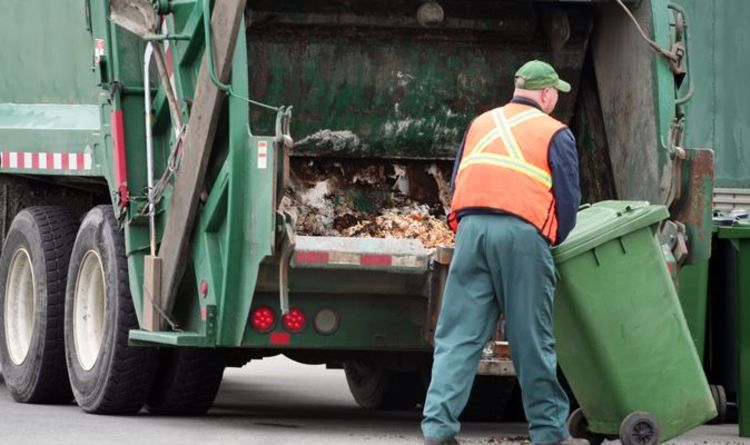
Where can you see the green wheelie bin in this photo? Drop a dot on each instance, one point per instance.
(622, 339)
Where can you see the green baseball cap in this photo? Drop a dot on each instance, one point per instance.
(536, 75)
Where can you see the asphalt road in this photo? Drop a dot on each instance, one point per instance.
(273, 401)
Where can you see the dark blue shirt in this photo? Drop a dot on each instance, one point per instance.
(563, 163)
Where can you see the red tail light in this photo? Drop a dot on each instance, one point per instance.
(294, 321)
(263, 319)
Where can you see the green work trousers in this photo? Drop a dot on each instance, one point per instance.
(500, 264)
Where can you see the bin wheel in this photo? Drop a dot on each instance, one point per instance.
(578, 427)
(640, 428)
(720, 399)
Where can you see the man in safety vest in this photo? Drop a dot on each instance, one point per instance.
(516, 195)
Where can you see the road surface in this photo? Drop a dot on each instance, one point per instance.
(273, 401)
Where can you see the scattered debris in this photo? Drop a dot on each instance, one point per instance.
(361, 199)
(328, 142)
(413, 222)
(517, 440)
(443, 184)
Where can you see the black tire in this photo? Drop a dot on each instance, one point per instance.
(46, 234)
(720, 399)
(187, 381)
(119, 379)
(490, 398)
(381, 389)
(578, 427)
(640, 428)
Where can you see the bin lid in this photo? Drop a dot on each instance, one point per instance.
(605, 221)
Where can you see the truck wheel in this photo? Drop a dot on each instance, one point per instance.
(33, 270)
(489, 399)
(107, 376)
(187, 381)
(640, 428)
(376, 388)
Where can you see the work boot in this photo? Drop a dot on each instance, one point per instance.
(435, 441)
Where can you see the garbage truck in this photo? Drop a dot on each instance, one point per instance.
(189, 185)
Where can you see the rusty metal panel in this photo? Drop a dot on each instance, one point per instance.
(367, 84)
(693, 204)
(626, 72)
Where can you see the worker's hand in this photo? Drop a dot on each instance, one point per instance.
(453, 221)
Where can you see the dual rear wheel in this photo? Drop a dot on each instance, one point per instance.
(65, 312)
(33, 273)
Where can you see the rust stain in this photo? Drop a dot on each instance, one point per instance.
(694, 208)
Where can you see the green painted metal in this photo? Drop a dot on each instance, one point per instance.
(385, 87)
(385, 328)
(377, 309)
(664, 88)
(694, 205)
(203, 339)
(622, 340)
(739, 236)
(48, 94)
(636, 89)
(52, 128)
(717, 45)
(366, 85)
(47, 53)
(236, 229)
(49, 117)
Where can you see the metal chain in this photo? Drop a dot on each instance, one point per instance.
(173, 163)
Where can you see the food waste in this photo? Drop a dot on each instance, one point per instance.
(351, 198)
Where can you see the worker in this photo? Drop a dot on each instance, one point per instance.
(515, 194)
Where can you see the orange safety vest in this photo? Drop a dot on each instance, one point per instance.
(505, 166)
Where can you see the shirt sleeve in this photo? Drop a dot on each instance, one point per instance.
(563, 162)
(457, 163)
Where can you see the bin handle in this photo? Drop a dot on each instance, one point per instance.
(632, 208)
(584, 206)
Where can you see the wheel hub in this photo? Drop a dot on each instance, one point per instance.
(89, 313)
(20, 301)
(643, 433)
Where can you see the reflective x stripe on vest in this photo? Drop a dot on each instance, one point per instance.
(514, 160)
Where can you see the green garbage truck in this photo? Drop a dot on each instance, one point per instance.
(192, 184)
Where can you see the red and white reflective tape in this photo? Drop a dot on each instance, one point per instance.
(370, 261)
(45, 161)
